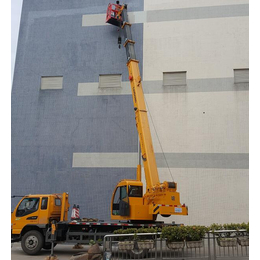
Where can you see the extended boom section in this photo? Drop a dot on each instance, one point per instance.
(128, 201)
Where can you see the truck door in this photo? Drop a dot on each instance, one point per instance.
(27, 213)
(44, 211)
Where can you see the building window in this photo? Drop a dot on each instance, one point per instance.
(51, 82)
(177, 78)
(110, 81)
(241, 76)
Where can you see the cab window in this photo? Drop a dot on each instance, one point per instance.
(135, 191)
(123, 192)
(57, 202)
(44, 203)
(27, 206)
(115, 210)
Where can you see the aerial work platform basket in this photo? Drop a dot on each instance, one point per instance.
(113, 14)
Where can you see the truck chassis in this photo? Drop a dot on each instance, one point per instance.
(82, 232)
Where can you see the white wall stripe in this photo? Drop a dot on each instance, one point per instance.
(178, 4)
(173, 14)
(99, 19)
(174, 160)
(156, 86)
(104, 160)
(92, 89)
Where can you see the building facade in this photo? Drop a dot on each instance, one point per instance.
(73, 126)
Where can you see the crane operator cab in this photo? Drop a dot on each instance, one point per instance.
(128, 202)
(122, 197)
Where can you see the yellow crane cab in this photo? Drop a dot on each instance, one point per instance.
(128, 202)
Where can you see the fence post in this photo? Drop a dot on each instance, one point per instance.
(214, 246)
(161, 249)
(209, 249)
(155, 251)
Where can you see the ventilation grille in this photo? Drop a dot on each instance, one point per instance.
(110, 81)
(51, 83)
(241, 76)
(174, 78)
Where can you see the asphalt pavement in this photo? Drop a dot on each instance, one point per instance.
(63, 252)
(66, 251)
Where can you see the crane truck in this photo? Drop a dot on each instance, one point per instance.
(40, 221)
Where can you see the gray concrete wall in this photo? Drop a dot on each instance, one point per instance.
(48, 126)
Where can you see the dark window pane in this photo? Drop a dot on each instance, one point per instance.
(44, 203)
(135, 191)
(27, 206)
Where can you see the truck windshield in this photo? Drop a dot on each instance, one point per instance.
(27, 206)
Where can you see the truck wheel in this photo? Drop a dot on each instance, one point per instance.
(32, 242)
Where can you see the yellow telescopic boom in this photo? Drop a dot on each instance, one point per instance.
(142, 124)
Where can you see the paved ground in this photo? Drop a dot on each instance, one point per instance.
(63, 252)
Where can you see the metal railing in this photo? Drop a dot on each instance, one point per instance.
(230, 244)
(151, 246)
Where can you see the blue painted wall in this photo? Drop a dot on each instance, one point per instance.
(49, 126)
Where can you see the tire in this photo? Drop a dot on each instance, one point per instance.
(32, 242)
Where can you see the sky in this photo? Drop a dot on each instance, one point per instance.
(16, 7)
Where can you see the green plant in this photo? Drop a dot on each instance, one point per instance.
(174, 233)
(92, 242)
(135, 231)
(215, 227)
(233, 229)
(99, 241)
(125, 231)
(195, 233)
(232, 226)
(245, 226)
(147, 230)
